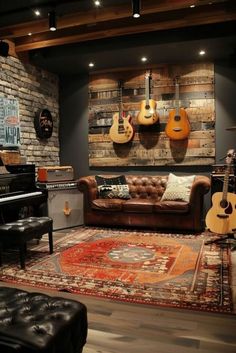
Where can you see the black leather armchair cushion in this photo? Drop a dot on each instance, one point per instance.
(35, 322)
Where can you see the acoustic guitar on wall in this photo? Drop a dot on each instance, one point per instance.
(121, 130)
(177, 127)
(147, 114)
(221, 218)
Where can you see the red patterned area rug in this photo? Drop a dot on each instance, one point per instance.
(171, 270)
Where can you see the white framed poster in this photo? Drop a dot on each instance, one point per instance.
(9, 122)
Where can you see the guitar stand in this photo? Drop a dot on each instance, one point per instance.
(224, 239)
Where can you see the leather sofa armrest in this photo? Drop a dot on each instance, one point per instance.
(88, 186)
(201, 186)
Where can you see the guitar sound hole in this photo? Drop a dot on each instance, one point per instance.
(147, 107)
(227, 206)
(177, 117)
(223, 203)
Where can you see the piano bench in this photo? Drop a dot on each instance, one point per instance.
(19, 232)
(32, 322)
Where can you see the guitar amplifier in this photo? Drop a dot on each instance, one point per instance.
(64, 204)
(55, 174)
(219, 169)
(217, 182)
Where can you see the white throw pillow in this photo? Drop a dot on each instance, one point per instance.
(178, 188)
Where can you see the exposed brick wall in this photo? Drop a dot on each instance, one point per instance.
(35, 89)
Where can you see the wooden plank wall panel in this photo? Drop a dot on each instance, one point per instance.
(150, 145)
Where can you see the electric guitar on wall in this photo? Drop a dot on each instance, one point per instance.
(221, 218)
(121, 130)
(178, 127)
(147, 114)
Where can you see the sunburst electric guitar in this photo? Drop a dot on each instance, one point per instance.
(177, 127)
(221, 218)
(121, 130)
(147, 114)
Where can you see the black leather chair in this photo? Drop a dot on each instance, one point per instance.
(36, 322)
(19, 232)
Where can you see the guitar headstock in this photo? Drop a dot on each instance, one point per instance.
(176, 80)
(230, 156)
(148, 74)
(120, 84)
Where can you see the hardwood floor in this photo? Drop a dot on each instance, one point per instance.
(132, 328)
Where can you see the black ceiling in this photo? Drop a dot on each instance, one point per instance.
(163, 46)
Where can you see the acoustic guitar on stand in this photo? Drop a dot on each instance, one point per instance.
(221, 218)
(121, 130)
(177, 127)
(147, 114)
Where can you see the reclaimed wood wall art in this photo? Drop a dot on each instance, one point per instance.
(150, 145)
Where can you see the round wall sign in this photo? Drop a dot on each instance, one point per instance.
(43, 124)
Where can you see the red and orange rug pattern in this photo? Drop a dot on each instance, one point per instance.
(144, 267)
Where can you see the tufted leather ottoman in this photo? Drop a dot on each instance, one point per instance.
(23, 230)
(35, 322)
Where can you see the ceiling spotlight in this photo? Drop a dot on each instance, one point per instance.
(91, 64)
(202, 52)
(144, 59)
(97, 3)
(136, 8)
(52, 20)
(37, 12)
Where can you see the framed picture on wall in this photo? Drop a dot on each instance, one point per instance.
(9, 122)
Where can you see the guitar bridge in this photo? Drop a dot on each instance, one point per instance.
(222, 215)
(177, 129)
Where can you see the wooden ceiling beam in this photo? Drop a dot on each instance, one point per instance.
(97, 16)
(188, 18)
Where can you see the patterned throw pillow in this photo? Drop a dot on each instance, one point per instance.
(112, 188)
(119, 180)
(114, 191)
(178, 188)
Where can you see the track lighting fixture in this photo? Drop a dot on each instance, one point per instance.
(136, 8)
(97, 3)
(4, 48)
(52, 20)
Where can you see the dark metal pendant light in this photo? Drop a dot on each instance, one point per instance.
(52, 20)
(136, 8)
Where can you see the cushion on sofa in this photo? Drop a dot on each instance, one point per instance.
(119, 180)
(137, 205)
(113, 191)
(113, 187)
(178, 188)
(107, 204)
(171, 207)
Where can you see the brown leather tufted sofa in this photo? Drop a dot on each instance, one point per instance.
(145, 208)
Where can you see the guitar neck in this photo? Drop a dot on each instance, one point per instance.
(226, 183)
(120, 104)
(177, 98)
(147, 89)
(230, 155)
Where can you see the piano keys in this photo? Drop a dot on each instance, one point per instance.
(16, 196)
(18, 190)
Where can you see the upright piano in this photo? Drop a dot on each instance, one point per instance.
(19, 193)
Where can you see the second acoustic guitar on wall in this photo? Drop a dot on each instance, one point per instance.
(177, 127)
(147, 114)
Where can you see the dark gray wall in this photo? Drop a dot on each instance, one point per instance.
(73, 129)
(74, 124)
(225, 94)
